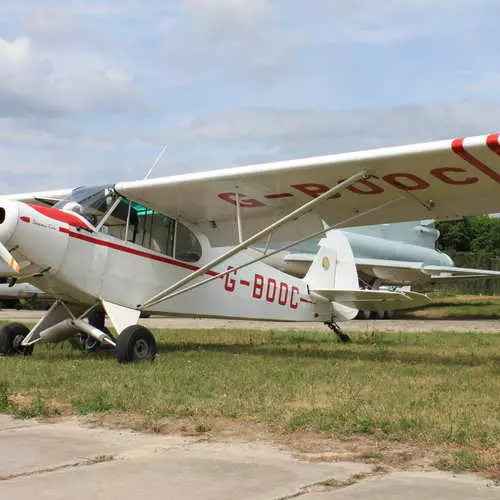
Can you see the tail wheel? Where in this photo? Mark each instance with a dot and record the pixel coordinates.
(11, 337)
(135, 343)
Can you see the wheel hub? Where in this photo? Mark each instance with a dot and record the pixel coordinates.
(16, 343)
(141, 349)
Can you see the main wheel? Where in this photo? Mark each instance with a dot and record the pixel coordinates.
(11, 336)
(135, 343)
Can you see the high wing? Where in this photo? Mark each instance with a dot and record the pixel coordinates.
(435, 180)
(48, 198)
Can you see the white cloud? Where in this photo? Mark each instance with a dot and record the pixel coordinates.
(290, 133)
(47, 81)
(369, 22)
(237, 37)
(54, 23)
(226, 19)
(38, 155)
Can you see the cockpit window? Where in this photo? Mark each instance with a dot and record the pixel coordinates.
(163, 234)
(90, 202)
(132, 222)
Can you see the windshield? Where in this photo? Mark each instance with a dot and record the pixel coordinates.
(90, 202)
(132, 222)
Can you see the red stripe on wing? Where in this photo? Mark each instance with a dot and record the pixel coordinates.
(457, 146)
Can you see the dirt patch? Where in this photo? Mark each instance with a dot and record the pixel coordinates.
(385, 455)
(34, 406)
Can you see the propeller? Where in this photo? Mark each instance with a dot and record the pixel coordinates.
(7, 257)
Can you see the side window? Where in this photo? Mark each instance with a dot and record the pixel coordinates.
(116, 224)
(150, 229)
(153, 230)
(187, 247)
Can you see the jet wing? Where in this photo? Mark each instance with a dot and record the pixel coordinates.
(392, 271)
(448, 273)
(400, 272)
(435, 180)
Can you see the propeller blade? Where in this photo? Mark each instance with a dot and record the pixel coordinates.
(7, 257)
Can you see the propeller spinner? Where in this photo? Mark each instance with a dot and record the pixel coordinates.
(9, 212)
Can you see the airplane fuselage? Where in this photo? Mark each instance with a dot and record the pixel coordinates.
(78, 264)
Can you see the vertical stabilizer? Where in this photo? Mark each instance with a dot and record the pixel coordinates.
(334, 268)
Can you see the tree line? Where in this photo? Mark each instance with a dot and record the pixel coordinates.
(472, 242)
(479, 235)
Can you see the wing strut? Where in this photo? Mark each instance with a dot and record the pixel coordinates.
(278, 250)
(257, 236)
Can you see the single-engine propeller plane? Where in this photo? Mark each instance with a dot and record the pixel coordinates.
(183, 244)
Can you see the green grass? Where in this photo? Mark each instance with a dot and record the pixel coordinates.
(433, 389)
(465, 460)
(460, 307)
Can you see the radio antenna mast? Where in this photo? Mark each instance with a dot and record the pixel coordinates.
(158, 158)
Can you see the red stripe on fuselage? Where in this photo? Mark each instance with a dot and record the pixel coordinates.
(133, 251)
(60, 215)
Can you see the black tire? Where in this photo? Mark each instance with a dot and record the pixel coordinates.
(135, 343)
(11, 336)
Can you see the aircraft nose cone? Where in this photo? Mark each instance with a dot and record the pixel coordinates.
(9, 216)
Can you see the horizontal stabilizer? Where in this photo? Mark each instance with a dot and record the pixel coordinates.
(374, 300)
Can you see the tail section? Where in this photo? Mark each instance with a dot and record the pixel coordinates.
(334, 268)
(333, 277)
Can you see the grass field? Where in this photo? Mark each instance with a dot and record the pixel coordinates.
(431, 391)
(459, 307)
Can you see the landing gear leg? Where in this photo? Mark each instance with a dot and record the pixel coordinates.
(343, 337)
(96, 319)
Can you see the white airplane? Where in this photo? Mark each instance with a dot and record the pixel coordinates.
(153, 245)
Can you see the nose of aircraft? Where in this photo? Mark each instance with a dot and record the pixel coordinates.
(9, 216)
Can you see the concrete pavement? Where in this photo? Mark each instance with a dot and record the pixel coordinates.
(67, 460)
(363, 326)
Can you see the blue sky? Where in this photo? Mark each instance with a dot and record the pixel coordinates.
(90, 90)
